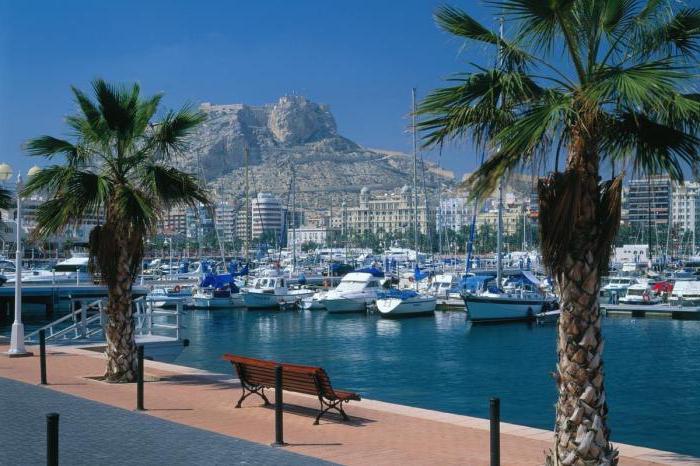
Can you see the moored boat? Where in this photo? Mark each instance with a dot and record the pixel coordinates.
(356, 291)
(272, 293)
(405, 303)
(521, 299)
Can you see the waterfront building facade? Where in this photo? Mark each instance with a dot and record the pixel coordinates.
(267, 214)
(685, 202)
(307, 234)
(454, 213)
(388, 213)
(648, 202)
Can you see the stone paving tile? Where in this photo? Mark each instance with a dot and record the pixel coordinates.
(92, 433)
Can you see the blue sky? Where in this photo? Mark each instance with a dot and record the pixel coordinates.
(360, 57)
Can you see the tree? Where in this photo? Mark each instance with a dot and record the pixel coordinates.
(613, 95)
(116, 168)
(308, 246)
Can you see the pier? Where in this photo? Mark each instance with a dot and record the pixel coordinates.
(653, 310)
(51, 296)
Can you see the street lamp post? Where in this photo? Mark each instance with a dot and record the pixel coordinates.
(17, 339)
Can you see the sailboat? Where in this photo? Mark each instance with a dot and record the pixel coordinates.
(403, 303)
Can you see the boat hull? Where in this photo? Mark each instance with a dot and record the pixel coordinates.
(269, 300)
(483, 309)
(390, 308)
(345, 305)
(199, 302)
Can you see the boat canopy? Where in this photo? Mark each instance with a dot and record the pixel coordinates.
(418, 275)
(474, 283)
(216, 281)
(523, 278)
(372, 270)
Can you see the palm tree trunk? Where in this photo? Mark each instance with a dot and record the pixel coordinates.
(121, 343)
(581, 432)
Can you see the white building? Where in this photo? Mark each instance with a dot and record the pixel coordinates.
(685, 202)
(267, 214)
(454, 213)
(306, 234)
(632, 253)
(225, 220)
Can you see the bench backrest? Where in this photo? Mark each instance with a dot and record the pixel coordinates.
(297, 378)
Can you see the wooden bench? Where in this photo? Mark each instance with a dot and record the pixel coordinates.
(258, 374)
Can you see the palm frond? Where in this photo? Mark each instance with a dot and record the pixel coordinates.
(49, 146)
(680, 35)
(653, 147)
(170, 134)
(5, 198)
(648, 85)
(117, 106)
(132, 205)
(459, 23)
(172, 186)
(538, 18)
(473, 106)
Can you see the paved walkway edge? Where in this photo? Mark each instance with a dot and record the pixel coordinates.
(630, 451)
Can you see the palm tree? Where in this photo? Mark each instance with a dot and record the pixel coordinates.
(116, 168)
(615, 93)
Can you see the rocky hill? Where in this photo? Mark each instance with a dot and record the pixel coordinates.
(294, 135)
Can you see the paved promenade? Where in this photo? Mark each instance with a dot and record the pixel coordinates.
(379, 433)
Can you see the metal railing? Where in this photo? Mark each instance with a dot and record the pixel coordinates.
(87, 322)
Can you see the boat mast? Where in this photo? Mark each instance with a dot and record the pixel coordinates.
(246, 239)
(415, 184)
(499, 237)
(415, 176)
(294, 221)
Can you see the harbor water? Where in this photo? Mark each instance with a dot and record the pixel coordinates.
(445, 363)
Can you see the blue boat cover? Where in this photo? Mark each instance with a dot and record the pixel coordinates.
(210, 280)
(418, 275)
(372, 270)
(184, 267)
(474, 283)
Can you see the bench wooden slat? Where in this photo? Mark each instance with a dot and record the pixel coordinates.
(298, 378)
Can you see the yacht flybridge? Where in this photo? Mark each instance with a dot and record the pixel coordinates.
(356, 291)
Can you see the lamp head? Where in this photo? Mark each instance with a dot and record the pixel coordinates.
(5, 172)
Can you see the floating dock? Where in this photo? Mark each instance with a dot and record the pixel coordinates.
(653, 310)
(51, 295)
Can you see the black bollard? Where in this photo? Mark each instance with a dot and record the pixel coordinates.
(495, 416)
(52, 439)
(42, 356)
(279, 409)
(139, 379)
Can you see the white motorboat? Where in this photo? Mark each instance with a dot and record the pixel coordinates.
(272, 292)
(217, 292)
(445, 287)
(616, 288)
(405, 303)
(314, 303)
(640, 293)
(354, 293)
(71, 270)
(520, 299)
(170, 296)
(685, 293)
(210, 298)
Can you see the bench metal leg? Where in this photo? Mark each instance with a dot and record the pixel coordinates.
(249, 390)
(327, 406)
